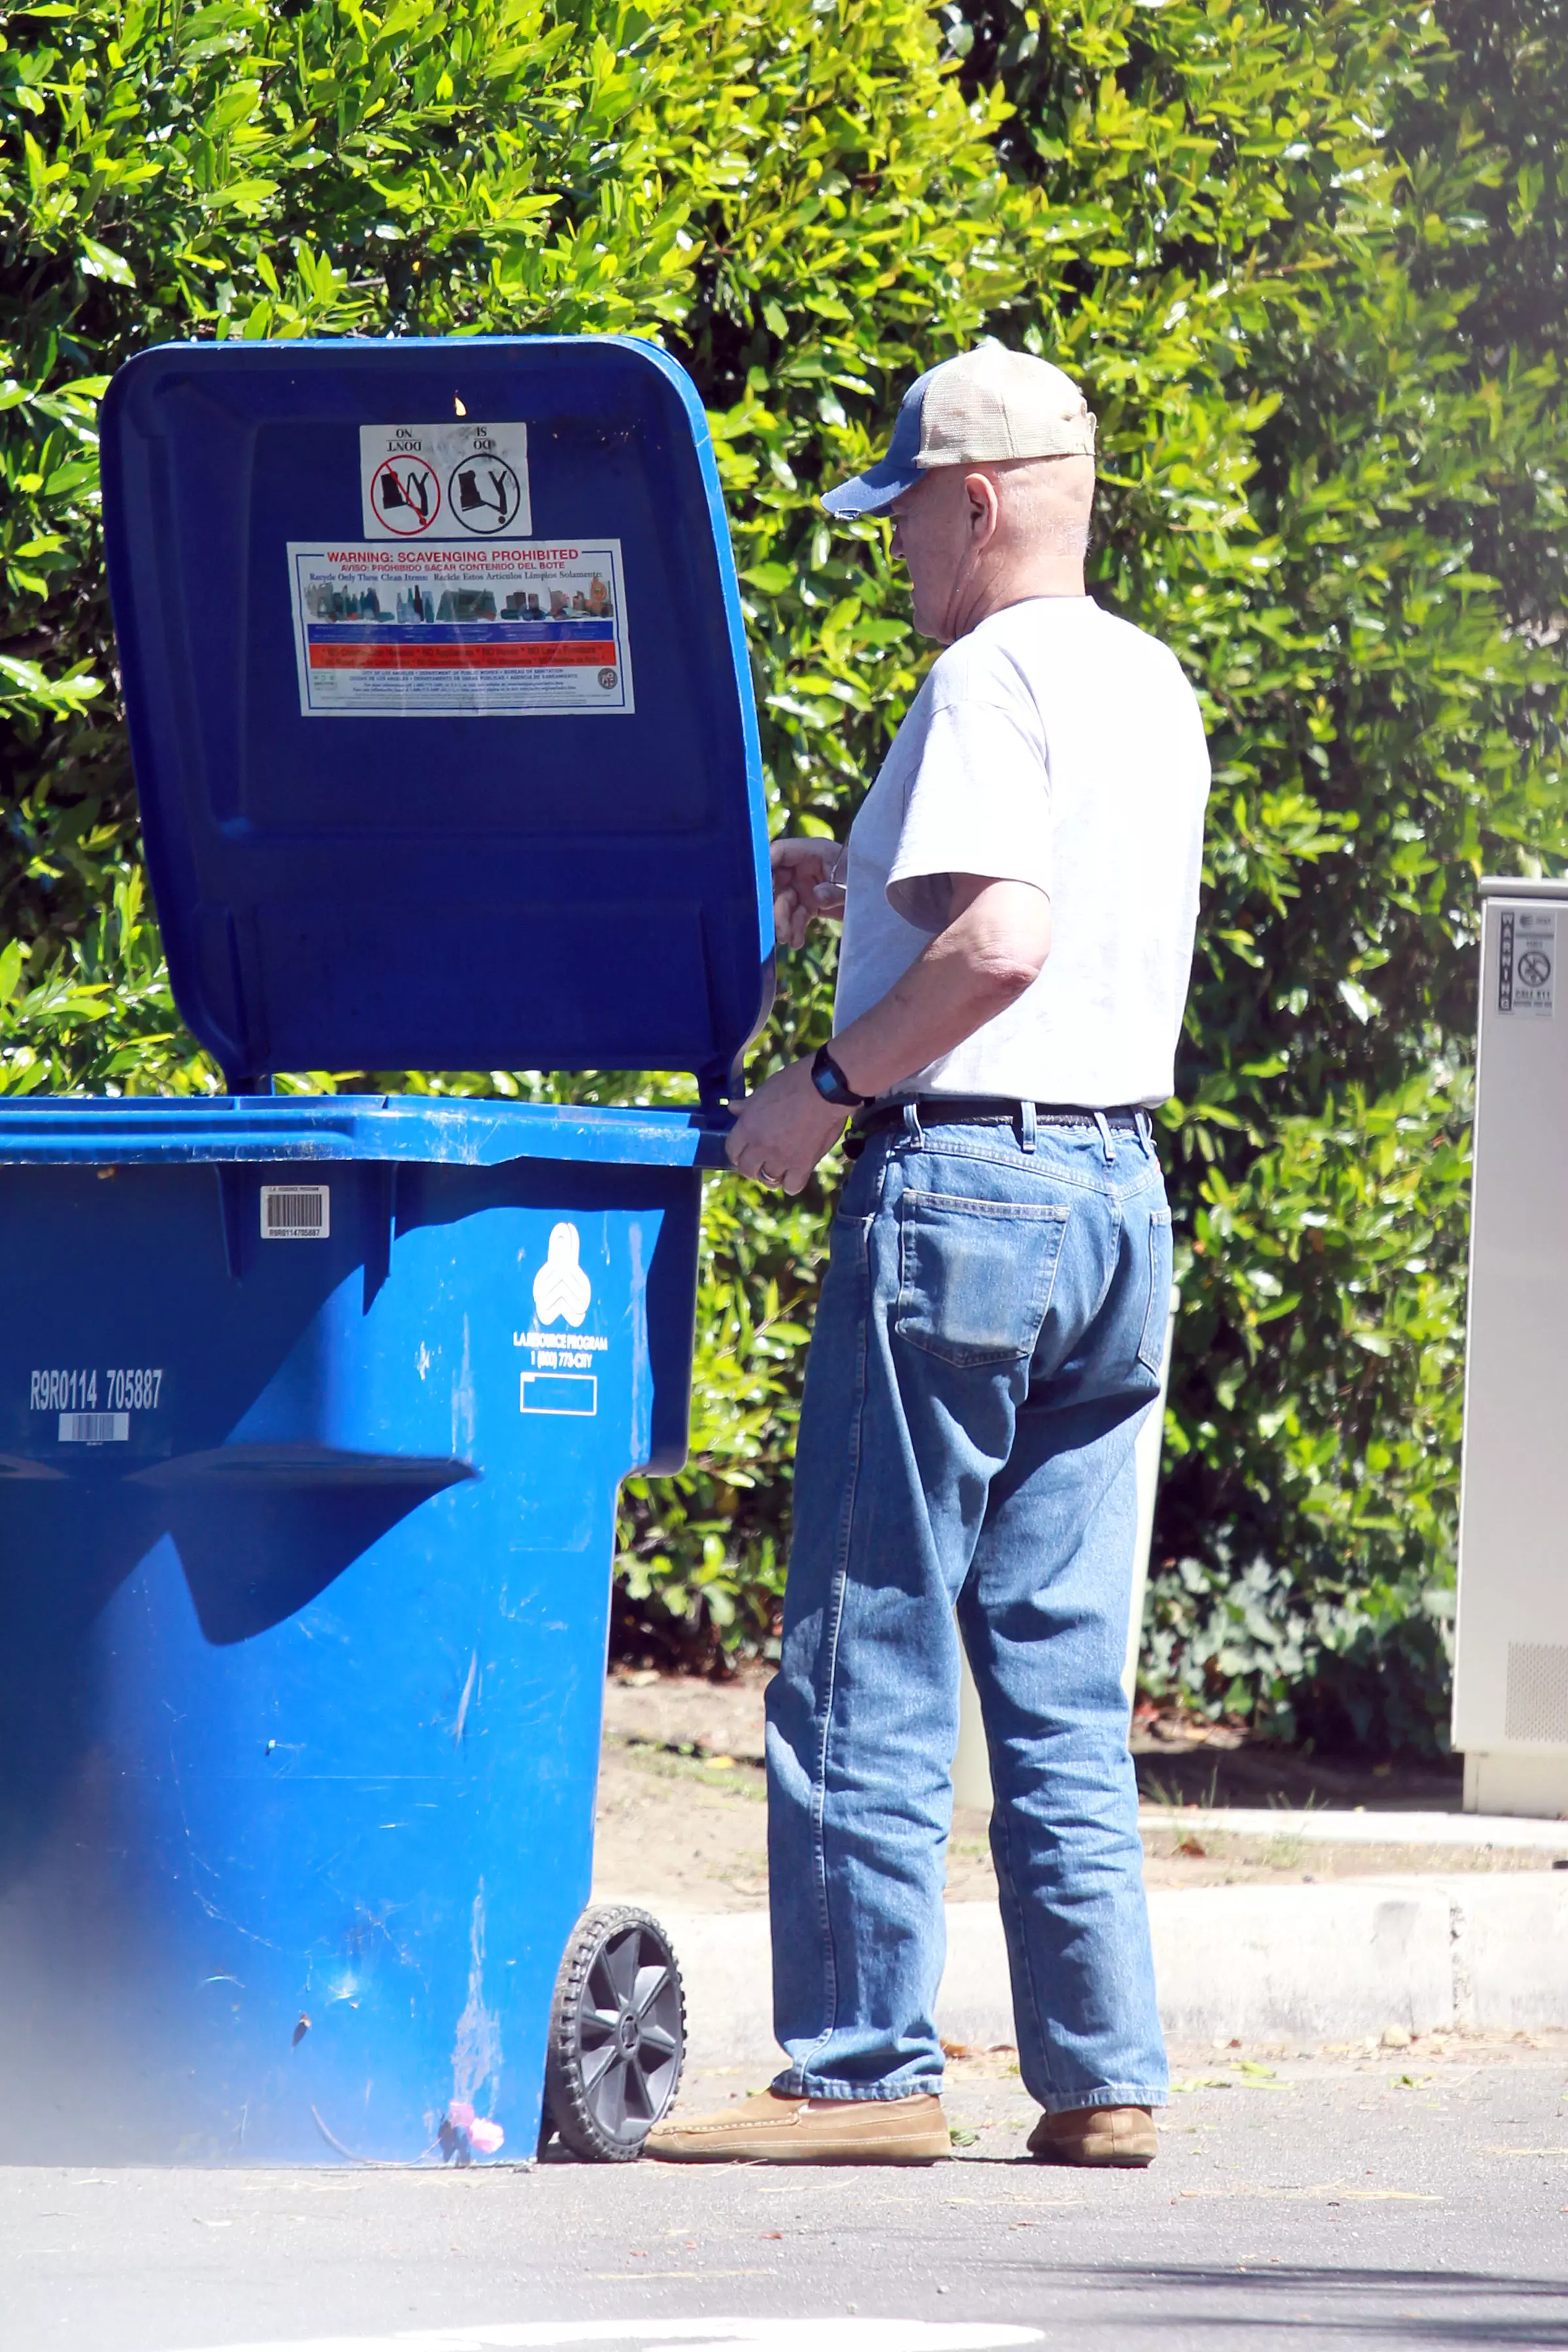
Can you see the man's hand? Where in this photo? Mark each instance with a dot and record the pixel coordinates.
(807, 882)
(784, 1130)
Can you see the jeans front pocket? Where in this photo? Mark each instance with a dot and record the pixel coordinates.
(1157, 1314)
(975, 1275)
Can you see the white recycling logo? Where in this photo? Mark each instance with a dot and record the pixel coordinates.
(561, 1288)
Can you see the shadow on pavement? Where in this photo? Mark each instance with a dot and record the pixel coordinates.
(1426, 2307)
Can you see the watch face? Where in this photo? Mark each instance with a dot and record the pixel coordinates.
(832, 1085)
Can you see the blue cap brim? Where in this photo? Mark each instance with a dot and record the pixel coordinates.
(897, 470)
(873, 491)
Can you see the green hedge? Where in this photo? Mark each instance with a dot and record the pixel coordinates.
(1308, 261)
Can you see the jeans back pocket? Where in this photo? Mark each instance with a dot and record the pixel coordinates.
(1157, 1313)
(975, 1275)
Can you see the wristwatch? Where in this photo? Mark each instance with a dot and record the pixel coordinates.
(831, 1083)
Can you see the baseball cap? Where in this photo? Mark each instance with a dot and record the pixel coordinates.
(987, 406)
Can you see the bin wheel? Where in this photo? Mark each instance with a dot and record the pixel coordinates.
(617, 2035)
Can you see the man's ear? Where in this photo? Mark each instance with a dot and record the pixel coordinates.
(985, 508)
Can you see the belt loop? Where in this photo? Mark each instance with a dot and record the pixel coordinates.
(1025, 1126)
(1104, 1126)
(1146, 1132)
(913, 1133)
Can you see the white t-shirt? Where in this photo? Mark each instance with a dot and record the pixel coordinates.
(1058, 746)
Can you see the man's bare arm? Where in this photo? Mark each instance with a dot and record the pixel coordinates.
(994, 946)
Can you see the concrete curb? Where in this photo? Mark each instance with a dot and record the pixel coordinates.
(1306, 1965)
(1322, 1826)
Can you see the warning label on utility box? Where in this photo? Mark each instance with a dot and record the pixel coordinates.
(430, 631)
(1527, 961)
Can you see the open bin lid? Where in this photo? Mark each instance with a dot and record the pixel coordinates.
(439, 705)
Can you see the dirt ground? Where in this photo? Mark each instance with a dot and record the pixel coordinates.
(682, 1817)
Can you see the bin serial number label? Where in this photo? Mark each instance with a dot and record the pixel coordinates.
(119, 1389)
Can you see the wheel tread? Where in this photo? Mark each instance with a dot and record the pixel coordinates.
(566, 2110)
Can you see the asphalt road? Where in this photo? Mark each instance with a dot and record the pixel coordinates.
(1417, 2197)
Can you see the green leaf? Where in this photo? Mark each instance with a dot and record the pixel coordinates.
(100, 262)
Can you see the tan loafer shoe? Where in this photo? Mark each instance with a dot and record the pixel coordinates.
(1096, 2136)
(773, 2130)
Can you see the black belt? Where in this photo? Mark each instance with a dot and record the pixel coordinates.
(987, 1110)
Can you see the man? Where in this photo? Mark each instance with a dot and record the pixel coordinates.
(1020, 900)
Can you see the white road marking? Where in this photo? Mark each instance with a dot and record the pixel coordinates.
(805, 2335)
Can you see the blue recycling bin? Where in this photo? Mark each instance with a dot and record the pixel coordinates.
(314, 1408)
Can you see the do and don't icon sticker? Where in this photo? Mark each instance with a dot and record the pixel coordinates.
(445, 481)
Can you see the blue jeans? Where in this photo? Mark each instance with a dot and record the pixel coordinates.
(988, 1340)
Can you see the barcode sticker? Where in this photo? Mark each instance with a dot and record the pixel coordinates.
(295, 1212)
(95, 1428)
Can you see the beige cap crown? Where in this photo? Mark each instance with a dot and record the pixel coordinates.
(993, 404)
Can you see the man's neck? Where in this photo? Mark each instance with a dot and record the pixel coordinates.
(1020, 586)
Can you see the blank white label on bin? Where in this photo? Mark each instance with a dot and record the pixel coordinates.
(575, 1394)
(295, 1212)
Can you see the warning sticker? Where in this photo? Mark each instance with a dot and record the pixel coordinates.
(445, 481)
(438, 631)
(1527, 961)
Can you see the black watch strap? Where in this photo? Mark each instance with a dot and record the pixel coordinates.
(831, 1083)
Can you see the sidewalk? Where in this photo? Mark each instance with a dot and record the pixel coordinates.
(1290, 1968)
(1285, 1929)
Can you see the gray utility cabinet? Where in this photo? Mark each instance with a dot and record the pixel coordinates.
(1510, 1689)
